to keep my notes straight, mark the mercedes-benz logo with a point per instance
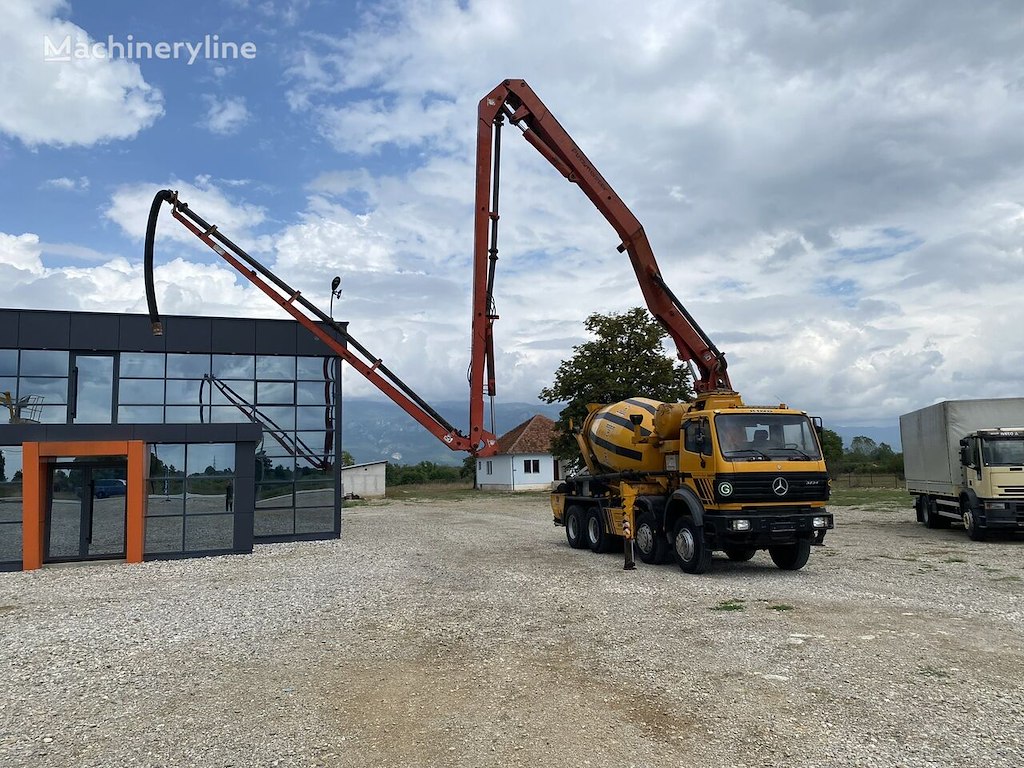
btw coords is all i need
(780, 486)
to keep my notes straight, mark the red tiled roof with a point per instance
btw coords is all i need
(532, 436)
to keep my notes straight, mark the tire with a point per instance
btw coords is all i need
(919, 505)
(930, 516)
(688, 545)
(791, 557)
(575, 527)
(650, 541)
(740, 554)
(970, 518)
(596, 537)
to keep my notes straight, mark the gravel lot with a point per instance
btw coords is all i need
(467, 633)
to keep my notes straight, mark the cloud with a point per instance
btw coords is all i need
(130, 204)
(64, 184)
(225, 116)
(819, 187)
(64, 103)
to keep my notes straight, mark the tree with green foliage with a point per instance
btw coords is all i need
(832, 446)
(625, 358)
(346, 459)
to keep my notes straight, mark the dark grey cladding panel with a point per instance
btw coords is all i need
(276, 337)
(188, 334)
(234, 337)
(10, 320)
(136, 335)
(309, 344)
(44, 330)
(13, 434)
(98, 332)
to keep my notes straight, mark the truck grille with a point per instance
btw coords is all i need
(771, 486)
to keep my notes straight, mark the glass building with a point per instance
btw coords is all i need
(239, 417)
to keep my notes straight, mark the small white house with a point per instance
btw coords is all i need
(364, 480)
(524, 461)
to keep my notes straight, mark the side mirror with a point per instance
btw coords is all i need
(965, 454)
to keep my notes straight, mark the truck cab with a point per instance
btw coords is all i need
(992, 496)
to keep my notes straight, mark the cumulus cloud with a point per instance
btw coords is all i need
(225, 116)
(63, 103)
(65, 184)
(130, 204)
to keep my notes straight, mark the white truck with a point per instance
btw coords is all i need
(964, 461)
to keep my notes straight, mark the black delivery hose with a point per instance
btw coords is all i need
(147, 262)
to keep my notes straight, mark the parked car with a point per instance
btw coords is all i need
(104, 488)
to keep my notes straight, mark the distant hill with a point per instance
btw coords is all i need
(374, 430)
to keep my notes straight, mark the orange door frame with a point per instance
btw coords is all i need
(36, 457)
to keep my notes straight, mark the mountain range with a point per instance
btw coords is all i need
(377, 430)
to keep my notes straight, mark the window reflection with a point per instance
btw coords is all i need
(209, 532)
(275, 367)
(142, 365)
(140, 392)
(210, 459)
(183, 392)
(234, 366)
(314, 392)
(52, 391)
(44, 362)
(312, 368)
(275, 392)
(167, 459)
(8, 362)
(140, 414)
(184, 366)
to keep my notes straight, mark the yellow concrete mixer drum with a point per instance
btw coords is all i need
(609, 432)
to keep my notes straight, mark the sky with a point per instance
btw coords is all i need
(834, 190)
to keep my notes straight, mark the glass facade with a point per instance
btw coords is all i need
(273, 380)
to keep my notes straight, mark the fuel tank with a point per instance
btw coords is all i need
(609, 432)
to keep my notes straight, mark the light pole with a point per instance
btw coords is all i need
(335, 292)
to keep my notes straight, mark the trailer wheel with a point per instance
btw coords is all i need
(740, 554)
(791, 557)
(599, 540)
(930, 513)
(691, 551)
(650, 540)
(574, 527)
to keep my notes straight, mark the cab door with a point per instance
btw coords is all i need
(696, 457)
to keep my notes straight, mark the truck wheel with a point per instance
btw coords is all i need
(650, 541)
(971, 525)
(740, 554)
(931, 517)
(791, 557)
(691, 551)
(597, 538)
(574, 527)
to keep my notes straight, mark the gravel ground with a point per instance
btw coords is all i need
(467, 633)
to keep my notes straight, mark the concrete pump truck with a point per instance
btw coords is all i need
(664, 479)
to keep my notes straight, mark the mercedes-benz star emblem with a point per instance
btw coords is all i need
(780, 486)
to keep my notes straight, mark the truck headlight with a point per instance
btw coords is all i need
(995, 505)
(741, 525)
(820, 522)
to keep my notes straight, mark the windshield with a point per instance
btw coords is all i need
(752, 436)
(1002, 452)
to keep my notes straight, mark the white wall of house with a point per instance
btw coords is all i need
(519, 472)
(364, 480)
